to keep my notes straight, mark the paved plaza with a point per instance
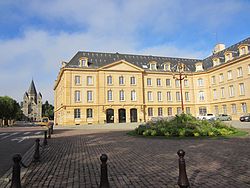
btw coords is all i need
(71, 159)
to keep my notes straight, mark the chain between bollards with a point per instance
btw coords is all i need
(16, 180)
(104, 182)
(45, 142)
(36, 157)
(182, 180)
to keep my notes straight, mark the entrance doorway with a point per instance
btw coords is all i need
(122, 115)
(110, 115)
(133, 115)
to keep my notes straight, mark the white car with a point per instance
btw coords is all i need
(207, 117)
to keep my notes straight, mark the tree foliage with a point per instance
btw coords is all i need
(48, 110)
(9, 108)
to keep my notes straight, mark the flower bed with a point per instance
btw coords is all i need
(185, 126)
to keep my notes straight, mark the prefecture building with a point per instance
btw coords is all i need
(98, 87)
(32, 104)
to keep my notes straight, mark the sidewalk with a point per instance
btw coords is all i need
(71, 159)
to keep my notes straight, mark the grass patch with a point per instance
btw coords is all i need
(186, 126)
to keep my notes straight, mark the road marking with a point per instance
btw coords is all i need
(26, 133)
(1, 134)
(37, 133)
(9, 135)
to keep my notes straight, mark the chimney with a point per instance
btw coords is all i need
(218, 47)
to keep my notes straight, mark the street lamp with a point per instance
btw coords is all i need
(180, 75)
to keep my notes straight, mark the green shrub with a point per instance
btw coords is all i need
(184, 125)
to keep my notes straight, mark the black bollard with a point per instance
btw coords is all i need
(49, 131)
(36, 157)
(15, 181)
(52, 128)
(182, 180)
(104, 172)
(45, 142)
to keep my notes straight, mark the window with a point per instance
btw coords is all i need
(121, 80)
(149, 81)
(200, 82)
(222, 91)
(186, 83)
(216, 109)
(89, 113)
(133, 95)
(179, 111)
(178, 97)
(221, 77)
(110, 95)
(215, 93)
(228, 57)
(159, 96)
(233, 108)
(229, 75)
(89, 80)
(202, 110)
(77, 80)
(150, 97)
(122, 95)
(201, 96)
(243, 50)
(77, 113)
(167, 67)
(158, 81)
(89, 96)
(242, 89)
(188, 110)
(160, 111)
(213, 79)
(168, 81)
(240, 72)
(187, 96)
(150, 112)
(83, 62)
(169, 97)
(177, 83)
(109, 80)
(224, 108)
(77, 96)
(170, 111)
(152, 66)
(132, 80)
(231, 91)
(244, 107)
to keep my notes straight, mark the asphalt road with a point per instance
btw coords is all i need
(16, 140)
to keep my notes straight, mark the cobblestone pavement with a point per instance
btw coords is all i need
(71, 159)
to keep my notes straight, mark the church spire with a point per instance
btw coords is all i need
(32, 89)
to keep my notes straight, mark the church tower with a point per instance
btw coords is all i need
(32, 104)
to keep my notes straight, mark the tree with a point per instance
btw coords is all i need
(48, 110)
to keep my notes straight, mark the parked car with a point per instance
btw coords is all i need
(245, 117)
(223, 117)
(210, 117)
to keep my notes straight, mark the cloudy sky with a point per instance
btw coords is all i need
(35, 36)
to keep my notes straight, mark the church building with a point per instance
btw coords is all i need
(32, 104)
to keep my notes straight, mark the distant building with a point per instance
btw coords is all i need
(32, 104)
(112, 87)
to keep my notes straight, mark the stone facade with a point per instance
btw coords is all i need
(32, 104)
(111, 87)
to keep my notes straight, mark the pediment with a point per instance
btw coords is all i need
(121, 65)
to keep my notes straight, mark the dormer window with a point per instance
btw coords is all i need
(216, 61)
(198, 67)
(152, 66)
(166, 67)
(83, 62)
(228, 56)
(243, 49)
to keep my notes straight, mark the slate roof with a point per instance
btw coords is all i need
(32, 89)
(99, 59)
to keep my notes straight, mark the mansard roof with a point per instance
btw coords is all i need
(32, 89)
(99, 59)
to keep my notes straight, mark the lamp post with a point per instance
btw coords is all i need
(180, 76)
